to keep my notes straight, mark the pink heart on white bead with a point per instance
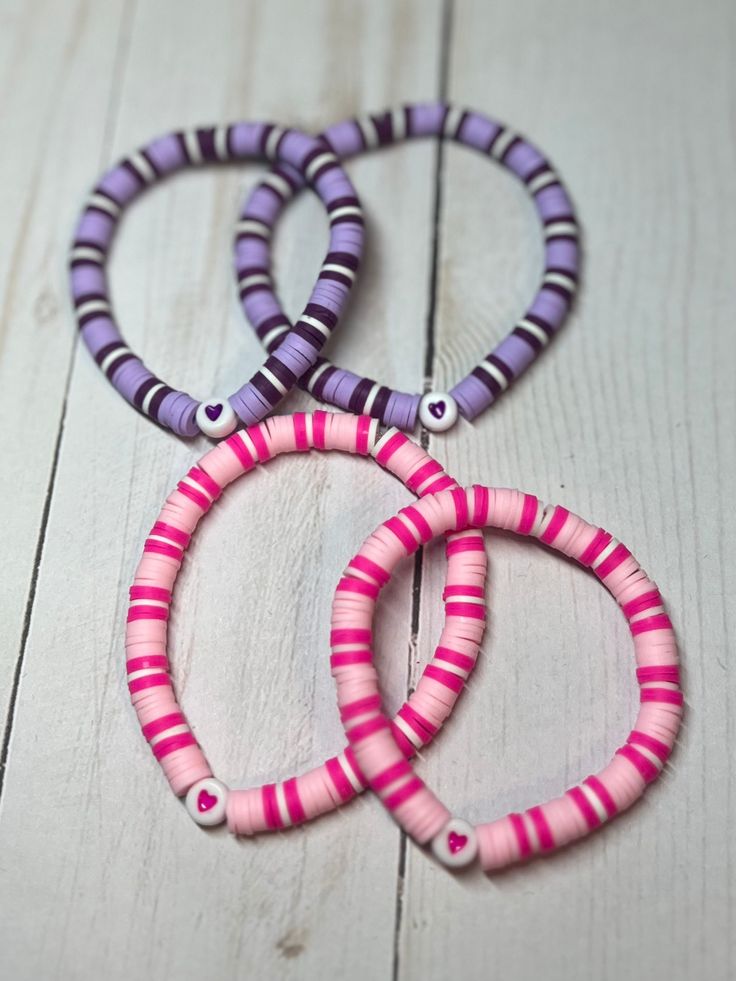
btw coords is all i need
(456, 842)
(205, 801)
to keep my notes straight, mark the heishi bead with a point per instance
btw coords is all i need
(510, 358)
(299, 345)
(339, 779)
(588, 805)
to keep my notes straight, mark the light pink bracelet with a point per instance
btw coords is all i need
(338, 780)
(589, 804)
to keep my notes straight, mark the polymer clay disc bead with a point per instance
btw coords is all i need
(299, 347)
(151, 683)
(591, 802)
(512, 356)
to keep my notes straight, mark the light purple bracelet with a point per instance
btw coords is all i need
(297, 352)
(437, 410)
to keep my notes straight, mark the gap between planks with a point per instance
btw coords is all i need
(446, 23)
(121, 55)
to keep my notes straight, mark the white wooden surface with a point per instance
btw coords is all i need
(629, 419)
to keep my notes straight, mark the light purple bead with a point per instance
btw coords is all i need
(100, 332)
(87, 279)
(472, 397)
(167, 154)
(523, 159)
(245, 139)
(478, 131)
(552, 201)
(96, 227)
(515, 353)
(402, 410)
(120, 185)
(550, 307)
(345, 137)
(561, 253)
(427, 118)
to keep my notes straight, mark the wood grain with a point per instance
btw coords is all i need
(48, 54)
(628, 419)
(100, 848)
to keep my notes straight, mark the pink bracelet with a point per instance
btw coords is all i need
(592, 802)
(338, 780)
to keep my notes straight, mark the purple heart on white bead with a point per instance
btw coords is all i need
(437, 411)
(216, 418)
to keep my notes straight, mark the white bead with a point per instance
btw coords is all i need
(456, 845)
(437, 411)
(216, 418)
(206, 801)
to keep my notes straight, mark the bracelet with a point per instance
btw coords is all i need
(437, 410)
(174, 409)
(589, 804)
(164, 724)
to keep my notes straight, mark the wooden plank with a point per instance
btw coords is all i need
(49, 53)
(628, 420)
(108, 876)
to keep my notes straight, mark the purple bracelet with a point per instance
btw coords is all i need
(437, 410)
(306, 157)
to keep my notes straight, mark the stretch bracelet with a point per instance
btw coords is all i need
(586, 806)
(164, 725)
(297, 352)
(492, 376)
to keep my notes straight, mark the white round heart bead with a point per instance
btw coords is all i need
(456, 845)
(437, 411)
(206, 802)
(216, 418)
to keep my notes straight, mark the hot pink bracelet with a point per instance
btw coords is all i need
(338, 780)
(589, 804)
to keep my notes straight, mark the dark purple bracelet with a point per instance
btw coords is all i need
(437, 410)
(306, 157)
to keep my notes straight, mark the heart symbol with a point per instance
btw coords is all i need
(205, 801)
(213, 412)
(455, 842)
(437, 409)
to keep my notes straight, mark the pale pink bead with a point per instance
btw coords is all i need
(222, 467)
(245, 811)
(565, 820)
(185, 767)
(422, 816)
(497, 846)
(623, 782)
